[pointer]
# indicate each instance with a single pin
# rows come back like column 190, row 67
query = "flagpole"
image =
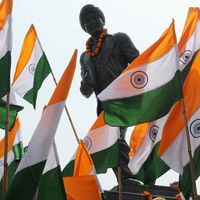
column 119, row 174
column 69, row 117
column 5, row 174
column 194, row 187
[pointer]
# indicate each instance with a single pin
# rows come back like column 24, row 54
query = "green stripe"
column 25, row 183
column 186, row 180
column 51, row 186
column 102, row 160
column 152, row 168
column 14, row 109
column 11, row 171
column 42, row 71
column 5, row 64
column 142, row 108
column 18, row 150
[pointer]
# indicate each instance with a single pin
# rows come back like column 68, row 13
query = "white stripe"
column 42, row 139
column 25, row 81
column 176, row 156
column 51, row 161
column 192, row 45
column 159, row 73
column 13, row 99
column 6, row 37
column 10, row 159
column 100, row 139
column 138, row 159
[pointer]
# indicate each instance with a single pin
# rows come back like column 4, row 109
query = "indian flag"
column 30, row 169
column 103, row 146
column 15, row 146
column 32, row 68
column 173, row 148
column 148, row 87
column 189, row 43
column 51, row 184
column 5, row 45
column 84, row 183
column 145, row 163
column 15, row 153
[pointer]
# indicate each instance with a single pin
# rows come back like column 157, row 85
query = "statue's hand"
column 86, row 89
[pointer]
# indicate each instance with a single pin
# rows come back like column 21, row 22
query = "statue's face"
column 93, row 24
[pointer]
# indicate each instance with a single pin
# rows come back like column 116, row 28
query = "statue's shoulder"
column 121, row 36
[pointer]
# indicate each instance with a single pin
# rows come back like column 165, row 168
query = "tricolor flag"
column 51, row 186
column 173, row 148
column 103, row 146
column 32, row 68
column 5, row 45
column 84, row 184
column 30, row 169
column 145, row 163
column 188, row 49
column 189, row 43
column 15, row 153
column 15, row 146
column 148, row 87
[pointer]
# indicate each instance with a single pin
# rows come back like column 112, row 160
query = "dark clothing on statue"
column 97, row 72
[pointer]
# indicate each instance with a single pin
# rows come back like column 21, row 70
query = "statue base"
column 131, row 189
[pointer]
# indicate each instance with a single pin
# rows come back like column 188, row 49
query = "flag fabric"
column 190, row 41
column 32, row 68
column 103, row 146
column 137, row 136
column 145, row 163
column 51, row 184
column 142, row 87
column 14, row 109
column 15, row 153
column 5, row 45
column 83, row 185
column 173, row 149
column 30, row 169
column 15, row 146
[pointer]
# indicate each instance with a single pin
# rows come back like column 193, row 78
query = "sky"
column 59, row 31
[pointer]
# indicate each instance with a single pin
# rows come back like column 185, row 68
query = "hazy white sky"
column 57, row 25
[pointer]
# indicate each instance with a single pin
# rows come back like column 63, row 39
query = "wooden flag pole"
column 5, row 173
column 119, row 174
column 194, row 187
column 69, row 117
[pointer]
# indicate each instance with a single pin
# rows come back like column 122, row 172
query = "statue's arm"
column 86, row 87
column 127, row 47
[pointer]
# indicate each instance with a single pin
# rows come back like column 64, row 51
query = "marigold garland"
column 178, row 197
column 99, row 44
column 148, row 195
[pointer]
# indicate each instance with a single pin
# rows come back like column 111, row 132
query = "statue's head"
column 92, row 19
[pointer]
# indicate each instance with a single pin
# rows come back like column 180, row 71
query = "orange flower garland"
column 178, row 197
column 99, row 44
column 148, row 195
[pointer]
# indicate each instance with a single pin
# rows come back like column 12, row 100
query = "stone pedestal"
column 134, row 191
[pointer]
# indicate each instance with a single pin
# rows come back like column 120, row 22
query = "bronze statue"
column 106, row 56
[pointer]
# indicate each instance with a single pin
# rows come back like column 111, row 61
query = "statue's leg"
column 124, row 157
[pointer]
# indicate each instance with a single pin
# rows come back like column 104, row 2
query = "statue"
column 106, row 56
